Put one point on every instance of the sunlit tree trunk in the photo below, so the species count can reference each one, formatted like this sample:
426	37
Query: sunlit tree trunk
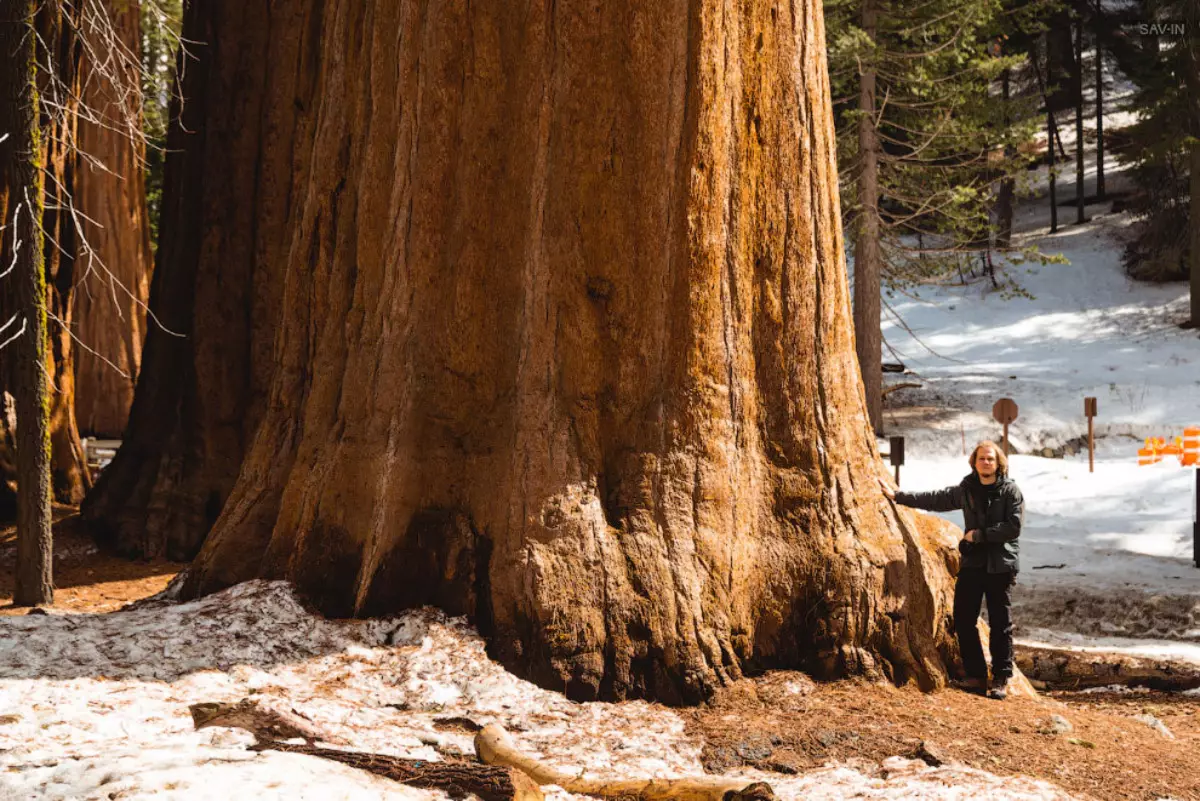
565	345
113	271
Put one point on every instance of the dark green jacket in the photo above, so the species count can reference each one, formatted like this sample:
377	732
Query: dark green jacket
997	510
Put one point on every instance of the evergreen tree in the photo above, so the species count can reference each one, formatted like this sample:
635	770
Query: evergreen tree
924	134
1165	147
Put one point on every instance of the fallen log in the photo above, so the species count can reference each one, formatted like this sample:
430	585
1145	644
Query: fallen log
493	746
264	722
1061	669
271	726
456	779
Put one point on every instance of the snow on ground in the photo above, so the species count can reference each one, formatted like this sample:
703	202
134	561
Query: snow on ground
1105	555
96	707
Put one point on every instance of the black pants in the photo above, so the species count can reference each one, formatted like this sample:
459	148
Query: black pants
969	591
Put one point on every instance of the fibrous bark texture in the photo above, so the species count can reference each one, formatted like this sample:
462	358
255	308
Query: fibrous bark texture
57	53
218	277
566	346
113	270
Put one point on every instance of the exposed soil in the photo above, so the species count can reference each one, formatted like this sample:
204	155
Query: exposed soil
85	579
787	723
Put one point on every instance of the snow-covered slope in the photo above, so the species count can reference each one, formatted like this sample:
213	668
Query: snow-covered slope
1104	554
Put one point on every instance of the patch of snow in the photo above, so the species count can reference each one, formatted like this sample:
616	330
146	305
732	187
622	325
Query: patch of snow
96	705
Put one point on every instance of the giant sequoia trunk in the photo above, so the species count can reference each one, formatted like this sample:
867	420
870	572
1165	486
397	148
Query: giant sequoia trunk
218	278
113	271
565	345
57	52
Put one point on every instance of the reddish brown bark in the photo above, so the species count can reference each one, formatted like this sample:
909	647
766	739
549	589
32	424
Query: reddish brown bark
566	346
218	277
57	49
112	278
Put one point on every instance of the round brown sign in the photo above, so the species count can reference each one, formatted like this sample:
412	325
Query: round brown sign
1005	411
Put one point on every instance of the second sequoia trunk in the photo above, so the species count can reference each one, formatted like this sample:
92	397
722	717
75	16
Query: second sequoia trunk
565	345
113	274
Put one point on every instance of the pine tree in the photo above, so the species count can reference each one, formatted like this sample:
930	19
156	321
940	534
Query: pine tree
1165	149
922	140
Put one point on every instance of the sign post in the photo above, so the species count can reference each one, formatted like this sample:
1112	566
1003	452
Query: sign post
1005	411
896	454
1089	409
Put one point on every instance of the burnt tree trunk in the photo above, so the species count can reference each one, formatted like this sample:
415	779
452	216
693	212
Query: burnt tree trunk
112	276
1100	22
23	300
566	345
218	278
1080	195
1004	198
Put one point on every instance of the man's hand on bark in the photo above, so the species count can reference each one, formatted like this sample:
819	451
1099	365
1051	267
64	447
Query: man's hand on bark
888	492
974	535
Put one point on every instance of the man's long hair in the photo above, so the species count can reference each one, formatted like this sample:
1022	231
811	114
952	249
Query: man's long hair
1001	459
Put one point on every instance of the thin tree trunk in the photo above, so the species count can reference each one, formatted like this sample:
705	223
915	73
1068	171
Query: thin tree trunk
1192	80
1004	198
867	254
1100	192
1050	133
1080	206
59	52
24	298
217	285
566	346
112	282
1194	213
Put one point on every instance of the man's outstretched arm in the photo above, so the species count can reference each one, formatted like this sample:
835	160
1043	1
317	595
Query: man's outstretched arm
945	500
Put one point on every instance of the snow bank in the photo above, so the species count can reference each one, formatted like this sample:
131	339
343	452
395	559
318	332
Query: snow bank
96	707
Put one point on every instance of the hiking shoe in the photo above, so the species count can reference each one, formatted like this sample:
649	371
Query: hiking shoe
999	692
974	686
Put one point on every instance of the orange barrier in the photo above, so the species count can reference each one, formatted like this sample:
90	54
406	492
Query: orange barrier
1185	448
1191	447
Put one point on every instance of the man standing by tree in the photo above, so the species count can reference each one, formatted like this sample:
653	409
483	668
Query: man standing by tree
993	511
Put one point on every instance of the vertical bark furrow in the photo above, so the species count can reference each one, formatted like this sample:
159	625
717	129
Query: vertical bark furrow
112	281
565	322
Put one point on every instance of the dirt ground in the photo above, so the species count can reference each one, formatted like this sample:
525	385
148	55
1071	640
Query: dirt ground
785	722
85	579
798	725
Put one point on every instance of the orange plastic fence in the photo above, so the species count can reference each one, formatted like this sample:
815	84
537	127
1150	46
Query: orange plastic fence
1185	448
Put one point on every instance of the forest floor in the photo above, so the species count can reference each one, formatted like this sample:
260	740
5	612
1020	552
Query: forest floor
1108	754
825	740
96	706
86	580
